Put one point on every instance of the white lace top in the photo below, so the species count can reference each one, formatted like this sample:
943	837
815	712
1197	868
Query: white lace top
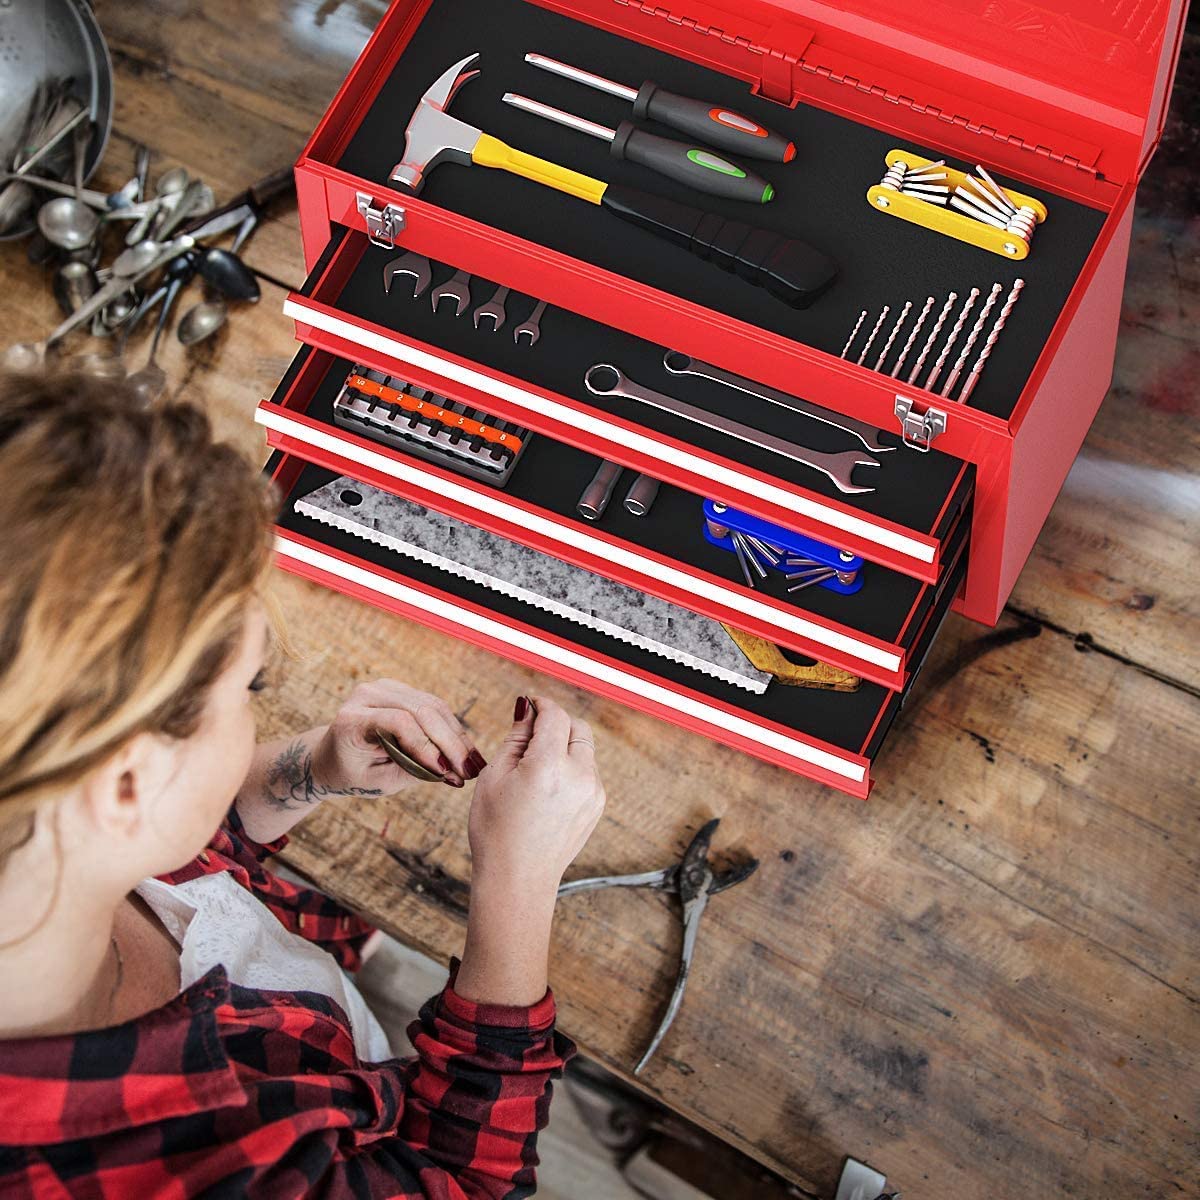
215	920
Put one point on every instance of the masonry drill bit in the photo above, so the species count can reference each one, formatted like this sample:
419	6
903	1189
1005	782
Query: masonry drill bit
972	337
955	330
862	316
1001	320
912	337
892	336
882	318
931	340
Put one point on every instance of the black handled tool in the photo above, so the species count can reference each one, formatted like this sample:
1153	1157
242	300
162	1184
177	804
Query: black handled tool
693	165
713	124
791	270
794	271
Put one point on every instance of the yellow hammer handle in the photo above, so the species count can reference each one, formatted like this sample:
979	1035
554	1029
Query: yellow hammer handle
491	152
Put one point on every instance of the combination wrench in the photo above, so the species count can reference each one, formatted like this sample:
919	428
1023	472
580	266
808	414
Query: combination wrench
603	379
680	364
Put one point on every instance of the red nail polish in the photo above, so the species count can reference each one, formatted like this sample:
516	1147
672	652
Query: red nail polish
454	781
477	761
444	763
520	708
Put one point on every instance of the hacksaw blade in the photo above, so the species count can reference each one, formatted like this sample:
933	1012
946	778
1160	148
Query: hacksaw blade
534	578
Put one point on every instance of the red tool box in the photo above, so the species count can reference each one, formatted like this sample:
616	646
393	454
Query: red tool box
1063	102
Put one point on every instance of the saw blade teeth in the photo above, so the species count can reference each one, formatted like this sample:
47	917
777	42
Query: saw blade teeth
357	528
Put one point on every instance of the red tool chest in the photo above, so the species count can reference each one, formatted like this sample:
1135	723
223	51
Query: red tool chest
1062	101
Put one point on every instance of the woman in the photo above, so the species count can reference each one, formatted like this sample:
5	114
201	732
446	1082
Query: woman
172	1022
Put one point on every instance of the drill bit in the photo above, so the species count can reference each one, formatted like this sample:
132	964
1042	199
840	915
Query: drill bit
892	336
955	330
977	369
853	333
882	317
931	340
972	338
912	337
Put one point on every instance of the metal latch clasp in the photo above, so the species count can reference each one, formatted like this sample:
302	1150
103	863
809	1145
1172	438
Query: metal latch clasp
384	225
919	429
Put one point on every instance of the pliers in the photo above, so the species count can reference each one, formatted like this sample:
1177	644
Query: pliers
693	880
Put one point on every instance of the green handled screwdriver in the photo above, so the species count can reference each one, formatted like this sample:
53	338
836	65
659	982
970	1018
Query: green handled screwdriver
696	166
711	123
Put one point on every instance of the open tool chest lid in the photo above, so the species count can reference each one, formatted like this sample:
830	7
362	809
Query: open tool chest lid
1081	81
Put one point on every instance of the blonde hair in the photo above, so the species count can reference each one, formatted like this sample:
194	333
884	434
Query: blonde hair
131	547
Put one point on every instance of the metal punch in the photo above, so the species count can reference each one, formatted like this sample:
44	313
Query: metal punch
693	880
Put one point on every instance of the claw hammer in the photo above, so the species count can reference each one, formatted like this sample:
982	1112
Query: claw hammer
791	270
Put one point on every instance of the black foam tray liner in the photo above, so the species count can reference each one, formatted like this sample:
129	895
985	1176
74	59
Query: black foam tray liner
552	475
821	195
911	489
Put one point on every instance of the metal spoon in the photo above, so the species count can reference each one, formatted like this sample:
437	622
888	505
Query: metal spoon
202	321
67	221
74	283
128	267
16	199
230	276
148	383
170	184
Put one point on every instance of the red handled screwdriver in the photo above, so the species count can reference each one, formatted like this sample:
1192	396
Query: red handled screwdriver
693	165
711	123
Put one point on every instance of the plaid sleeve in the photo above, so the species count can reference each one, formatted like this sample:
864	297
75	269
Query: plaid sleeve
480	1090
301	910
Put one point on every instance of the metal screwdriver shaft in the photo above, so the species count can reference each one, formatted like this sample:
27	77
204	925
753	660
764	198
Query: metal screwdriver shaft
713	124
1001	320
690	164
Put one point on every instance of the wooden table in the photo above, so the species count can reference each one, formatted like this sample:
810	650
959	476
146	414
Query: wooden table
983	981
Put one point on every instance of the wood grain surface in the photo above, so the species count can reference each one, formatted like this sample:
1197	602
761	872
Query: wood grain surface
984	980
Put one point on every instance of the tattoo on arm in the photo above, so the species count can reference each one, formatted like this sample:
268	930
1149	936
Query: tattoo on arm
290	783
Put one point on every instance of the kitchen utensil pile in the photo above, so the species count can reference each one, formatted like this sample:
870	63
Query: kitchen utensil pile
117	257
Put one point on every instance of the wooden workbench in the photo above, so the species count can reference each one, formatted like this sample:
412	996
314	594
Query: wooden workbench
983	980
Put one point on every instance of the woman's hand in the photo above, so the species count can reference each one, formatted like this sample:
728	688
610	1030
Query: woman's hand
537	803
534	808
289	777
349	759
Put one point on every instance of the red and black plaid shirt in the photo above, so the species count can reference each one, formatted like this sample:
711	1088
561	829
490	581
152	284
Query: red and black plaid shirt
229	1091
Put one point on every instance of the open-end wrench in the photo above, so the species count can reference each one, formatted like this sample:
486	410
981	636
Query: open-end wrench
531	326
416	265
458	288
680	364
603	379
494	308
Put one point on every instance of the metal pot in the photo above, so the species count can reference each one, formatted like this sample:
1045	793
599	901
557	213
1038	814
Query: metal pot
49	46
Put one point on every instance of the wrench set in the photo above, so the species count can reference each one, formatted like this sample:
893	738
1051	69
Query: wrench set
956	350
458	289
392	410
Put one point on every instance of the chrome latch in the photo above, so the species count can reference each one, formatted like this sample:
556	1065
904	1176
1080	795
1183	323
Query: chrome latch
384	225
919	429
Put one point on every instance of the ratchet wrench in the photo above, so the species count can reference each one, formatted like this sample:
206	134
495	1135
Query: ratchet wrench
680	364
603	379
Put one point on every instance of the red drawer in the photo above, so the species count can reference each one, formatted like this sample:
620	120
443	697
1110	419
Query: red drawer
832	737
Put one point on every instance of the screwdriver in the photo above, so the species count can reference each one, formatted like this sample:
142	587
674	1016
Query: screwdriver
710	122
694	165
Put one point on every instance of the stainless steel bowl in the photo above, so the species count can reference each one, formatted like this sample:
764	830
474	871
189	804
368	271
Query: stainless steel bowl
45	45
